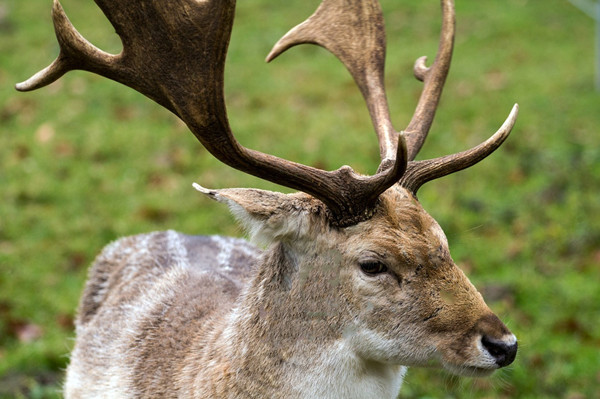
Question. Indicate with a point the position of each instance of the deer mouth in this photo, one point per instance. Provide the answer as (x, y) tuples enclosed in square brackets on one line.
[(479, 366), (457, 368), (469, 371)]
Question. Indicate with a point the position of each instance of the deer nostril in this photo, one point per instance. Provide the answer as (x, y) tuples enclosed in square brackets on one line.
[(503, 353)]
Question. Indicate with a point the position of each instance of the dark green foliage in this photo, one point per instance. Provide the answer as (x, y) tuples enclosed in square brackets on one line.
[(85, 161)]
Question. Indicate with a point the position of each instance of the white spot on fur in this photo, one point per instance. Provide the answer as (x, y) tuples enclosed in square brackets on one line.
[(340, 373), (226, 247), (176, 249), (159, 294)]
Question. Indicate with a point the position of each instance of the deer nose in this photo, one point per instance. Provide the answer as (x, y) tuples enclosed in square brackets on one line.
[(503, 351)]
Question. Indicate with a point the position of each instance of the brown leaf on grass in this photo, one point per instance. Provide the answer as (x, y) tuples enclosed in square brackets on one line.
[(44, 133), (28, 332), (515, 249), (4, 13), (64, 149), (537, 361), (23, 108), (153, 214), (516, 176), (495, 80), (125, 113), (17, 327), (65, 321), (77, 260), (572, 326), (21, 152)]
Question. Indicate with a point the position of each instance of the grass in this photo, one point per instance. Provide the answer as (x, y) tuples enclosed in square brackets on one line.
[(85, 161)]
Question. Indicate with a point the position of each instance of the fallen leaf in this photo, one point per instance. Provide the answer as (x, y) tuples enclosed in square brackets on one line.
[(65, 321), (44, 133), (28, 332)]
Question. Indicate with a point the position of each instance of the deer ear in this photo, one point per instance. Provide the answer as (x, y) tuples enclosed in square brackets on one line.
[(266, 215)]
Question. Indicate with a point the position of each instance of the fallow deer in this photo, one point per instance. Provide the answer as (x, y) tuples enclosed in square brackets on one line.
[(356, 281)]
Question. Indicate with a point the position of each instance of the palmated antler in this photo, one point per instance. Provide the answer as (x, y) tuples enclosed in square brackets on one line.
[(174, 53), (353, 30)]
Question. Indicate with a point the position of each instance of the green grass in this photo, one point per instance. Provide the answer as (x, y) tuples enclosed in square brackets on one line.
[(85, 161)]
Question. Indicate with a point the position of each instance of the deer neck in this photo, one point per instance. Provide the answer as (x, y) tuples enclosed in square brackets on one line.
[(287, 333)]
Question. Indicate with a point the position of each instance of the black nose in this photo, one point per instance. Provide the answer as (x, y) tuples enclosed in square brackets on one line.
[(504, 353)]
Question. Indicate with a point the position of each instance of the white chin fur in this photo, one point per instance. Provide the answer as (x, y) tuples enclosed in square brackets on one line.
[(469, 371)]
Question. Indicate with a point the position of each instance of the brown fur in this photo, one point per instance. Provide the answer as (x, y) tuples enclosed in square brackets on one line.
[(167, 315)]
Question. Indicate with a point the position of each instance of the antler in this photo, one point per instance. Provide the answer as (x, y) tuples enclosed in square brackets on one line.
[(177, 59), (434, 77), (174, 53), (353, 30)]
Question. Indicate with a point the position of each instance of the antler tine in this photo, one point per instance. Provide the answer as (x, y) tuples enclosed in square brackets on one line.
[(434, 78), (174, 53), (420, 172), (75, 53), (354, 31)]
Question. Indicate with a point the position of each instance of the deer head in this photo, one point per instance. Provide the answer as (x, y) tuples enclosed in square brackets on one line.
[(388, 285), (364, 243)]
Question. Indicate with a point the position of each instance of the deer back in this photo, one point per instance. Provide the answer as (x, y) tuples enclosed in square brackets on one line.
[(148, 297)]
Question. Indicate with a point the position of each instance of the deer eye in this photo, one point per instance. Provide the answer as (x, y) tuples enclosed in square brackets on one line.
[(373, 267)]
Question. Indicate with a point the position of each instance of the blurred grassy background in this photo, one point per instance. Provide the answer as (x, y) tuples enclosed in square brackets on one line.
[(85, 161)]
